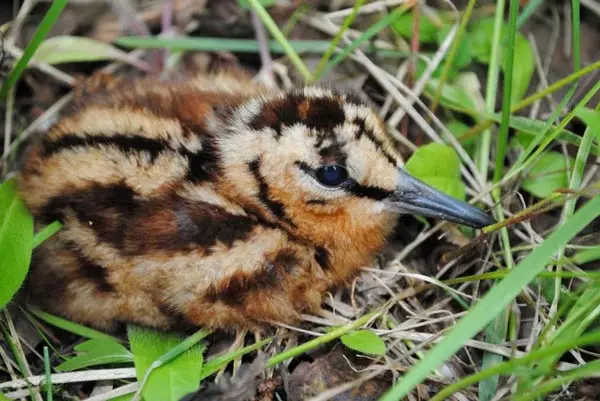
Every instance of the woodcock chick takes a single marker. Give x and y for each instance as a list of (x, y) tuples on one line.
[(213, 202)]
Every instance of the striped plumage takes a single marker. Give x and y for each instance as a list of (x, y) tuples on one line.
[(198, 202)]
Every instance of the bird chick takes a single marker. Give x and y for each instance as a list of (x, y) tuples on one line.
[(213, 202)]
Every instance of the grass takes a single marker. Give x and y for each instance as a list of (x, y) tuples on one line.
[(548, 273)]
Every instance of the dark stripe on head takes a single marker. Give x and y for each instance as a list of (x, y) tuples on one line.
[(322, 114), (106, 209), (362, 129), (325, 113), (333, 154), (205, 164), (323, 257), (278, 113), (277, 208), (367, 191), (125, 143)]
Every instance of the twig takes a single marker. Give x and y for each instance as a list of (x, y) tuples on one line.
[(265, 55), (109, 395), (166, 22), (72, 377)]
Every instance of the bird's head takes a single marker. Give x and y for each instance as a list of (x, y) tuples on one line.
[(323, 165)]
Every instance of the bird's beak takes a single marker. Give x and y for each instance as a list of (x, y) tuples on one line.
[(415, 197)]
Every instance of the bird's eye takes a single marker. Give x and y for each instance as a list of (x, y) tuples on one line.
[(332, 176)]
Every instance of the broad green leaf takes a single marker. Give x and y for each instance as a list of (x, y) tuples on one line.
[(4, 398), (70, 49), (591, 118), (439, 166), (98, 351), (548, 174), (364, 341), (174, 379), (403, 26), (16, 239), (452, 96), (482, 33)]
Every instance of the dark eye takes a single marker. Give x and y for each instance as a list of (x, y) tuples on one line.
[(332, 176)]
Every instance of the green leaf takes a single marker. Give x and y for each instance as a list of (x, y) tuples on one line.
[(403, 26), (16, 240), (169, 380), (548, 174), (98, 351), (70, 49), (364, 341), (439, 166), (591, 118), (482, 33), (4, 398), (452, 96)]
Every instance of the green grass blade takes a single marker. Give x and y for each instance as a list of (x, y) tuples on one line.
[(219, 44), (590, 369), (338, 36), (324, 339), (495, 301), (289, 50), (366, 35), (219, 362), (69, 326), (456, 42), (47, 23), (511, 366), (46, 233), (48, 374)]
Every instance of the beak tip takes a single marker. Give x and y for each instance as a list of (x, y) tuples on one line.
[(484, 221)]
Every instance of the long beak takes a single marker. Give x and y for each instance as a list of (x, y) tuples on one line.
[(415, 197)]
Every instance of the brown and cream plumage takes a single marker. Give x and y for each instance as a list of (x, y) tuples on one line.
[(213, 202)]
